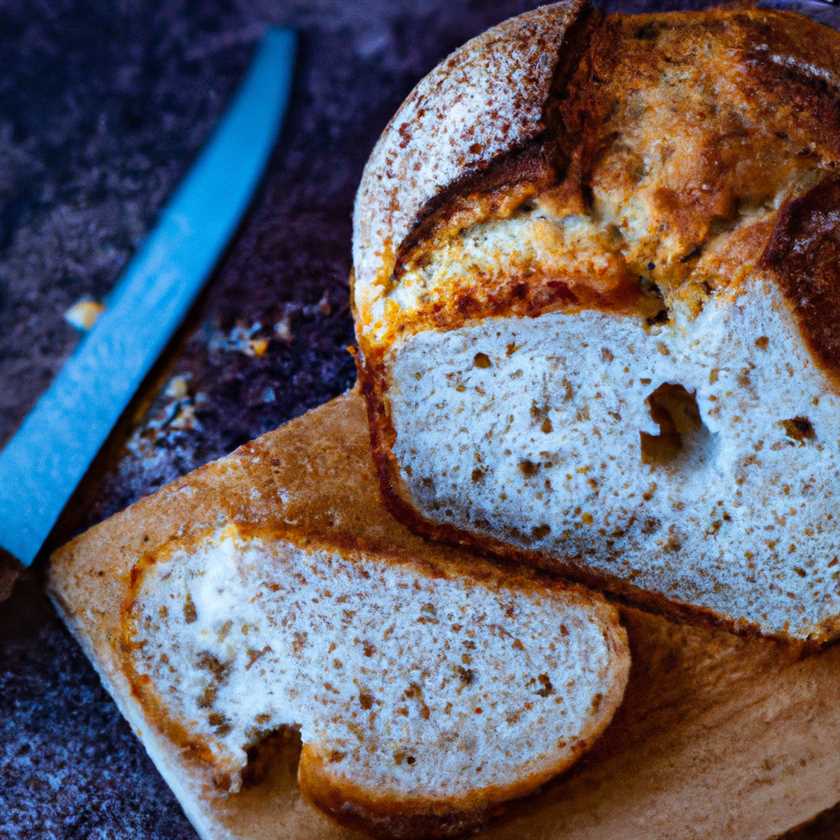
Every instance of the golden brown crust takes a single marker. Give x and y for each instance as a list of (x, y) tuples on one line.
[(795, 64), (722, 84), (444, 131), (354, 807), (674, 135), (420, 818), (804, 256), (530, 166)]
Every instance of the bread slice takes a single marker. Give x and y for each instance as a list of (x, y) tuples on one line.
[(599, 326), (270, 591)]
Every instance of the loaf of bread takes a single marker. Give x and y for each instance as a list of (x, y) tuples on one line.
[(270, 591), (597, 300)]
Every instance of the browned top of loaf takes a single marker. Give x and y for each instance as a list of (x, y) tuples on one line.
[(677, 137), (485, 100)]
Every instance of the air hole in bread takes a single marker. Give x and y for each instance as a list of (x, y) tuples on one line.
[(661, 317), (273, 750), (482, 360), (661, 313), (683, 438)]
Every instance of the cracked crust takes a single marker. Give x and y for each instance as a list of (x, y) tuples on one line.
[(485, 100), (696, 124)]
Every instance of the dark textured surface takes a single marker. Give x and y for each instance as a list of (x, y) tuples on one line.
[(102, 107)]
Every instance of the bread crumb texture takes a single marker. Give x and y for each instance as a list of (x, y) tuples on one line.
[(406, 684), (620, 359), (719, 490)]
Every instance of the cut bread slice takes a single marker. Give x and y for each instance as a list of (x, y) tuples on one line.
[(270, 591), (608, 343)]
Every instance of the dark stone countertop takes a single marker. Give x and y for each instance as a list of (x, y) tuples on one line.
[(102, 107)]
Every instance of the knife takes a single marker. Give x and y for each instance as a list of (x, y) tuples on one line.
[(52, 450)]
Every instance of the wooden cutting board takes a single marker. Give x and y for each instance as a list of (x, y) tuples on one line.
[(718, 737)]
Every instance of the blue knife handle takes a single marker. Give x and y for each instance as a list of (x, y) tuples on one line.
[(52, 450)]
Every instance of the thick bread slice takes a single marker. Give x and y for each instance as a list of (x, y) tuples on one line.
[(270, 590), (614, 351)]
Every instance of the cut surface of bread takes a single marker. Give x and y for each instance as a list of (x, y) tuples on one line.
[(410, 684), (611, 346), (271, 591)]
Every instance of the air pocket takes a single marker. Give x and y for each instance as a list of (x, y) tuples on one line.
[(683, 439)]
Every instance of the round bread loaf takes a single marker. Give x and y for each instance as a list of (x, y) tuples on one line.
[(597, 299)]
